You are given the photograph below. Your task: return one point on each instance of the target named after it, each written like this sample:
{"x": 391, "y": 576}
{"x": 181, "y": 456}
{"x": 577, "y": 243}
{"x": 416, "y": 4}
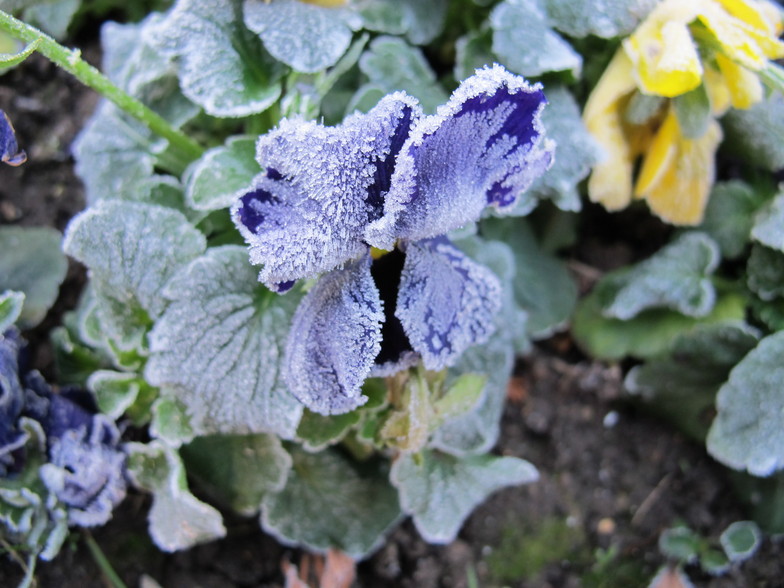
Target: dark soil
{"x": 612, "y": 478}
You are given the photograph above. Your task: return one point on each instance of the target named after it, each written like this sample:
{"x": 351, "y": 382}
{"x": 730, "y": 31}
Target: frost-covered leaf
{"x": 420, "y": 21}
{"x": 214, "y": 180}
{"x": 305, "y": 36}
{"x": 52, "y": 16}
{"x": 576, "y": 153}
{"x": 741, "y": 540}
{"x": 729, "y": 216}
{"x": 473, "y": 51}
{"x": 391, "y": 64}
{"x": 119, "y": 393}
{"x": 766, "y": 272}
{"x": 542, "y": 283}
{"x": 10, "y": 308}
{"x": 317, "y": 431}
{"x": 693, "y": 111}
{"x": 755, "y": 134}
{"x": 603, "y": 18}
{"x": 748, "y": 432}
{"x": 131, "y": 251}
{"x": 238, "y": 469}
{"x": 648, "y": 334}
{"x": 439, "y": 491}
{"x": 170, "y": 421}
{"x": 331, "y": 501}
{"x": 220, "y": 343}
{"x": 221, "y": 65}
{"x": 177, "y": 519}
{"x": 768, "y": 226}
{"x": 681, "y": 544}
{"x": 461, "y": 397}
{"x": 769, "y": 312}
{"x": 682, "y": 384}
{"x": 525, "y": 43}
{"x": 676, "y": 277}
{"x": 32, "y": 263}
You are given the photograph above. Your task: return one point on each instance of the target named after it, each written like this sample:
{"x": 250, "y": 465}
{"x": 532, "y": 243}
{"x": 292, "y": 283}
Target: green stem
{"x": 773, "y": 76}
{"x": 102, "y": 562}
{"x": 71, "y": 61}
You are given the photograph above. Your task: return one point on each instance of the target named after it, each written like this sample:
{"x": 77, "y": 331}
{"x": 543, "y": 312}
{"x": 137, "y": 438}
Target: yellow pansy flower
{"x": 712, "y": 47}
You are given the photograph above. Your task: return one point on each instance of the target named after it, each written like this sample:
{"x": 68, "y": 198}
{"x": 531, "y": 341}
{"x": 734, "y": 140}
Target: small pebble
{"x": 606, "y": 526}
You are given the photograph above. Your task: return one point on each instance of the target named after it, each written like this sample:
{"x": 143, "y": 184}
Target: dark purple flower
{"x": 9, "y": 150}
{"x": 397, "y": 181}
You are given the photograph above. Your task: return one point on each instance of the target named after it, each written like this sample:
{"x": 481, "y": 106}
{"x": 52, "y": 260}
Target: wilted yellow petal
{"x": 741, "y": 42}
{"x": 666, "y": 59}
{"x": 752, "y": 13}
{"x": 681, "y": 192}
{"x": 660, "y": 154}
{"x": 744, "y": 85}
{"x": 718, "y": 91}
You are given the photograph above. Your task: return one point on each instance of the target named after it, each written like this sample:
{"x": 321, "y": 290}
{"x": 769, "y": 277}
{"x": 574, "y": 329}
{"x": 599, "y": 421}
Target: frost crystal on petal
{"x": 307, "y": 213}
{"x": 483, "y": 147}
{"x": 334, "y": 339}
{"x": 446, "y": 301}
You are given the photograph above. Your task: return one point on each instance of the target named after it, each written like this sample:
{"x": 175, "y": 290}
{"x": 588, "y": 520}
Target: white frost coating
{"x": 177, "y": 519}
{"x": 204, "y": 35}
{"x": 132, "y": 249}
{"x": 307, "y": 37}
{"x": 221, "y": 348}
{"x": 440, "y": 491}
{"x": 330, "y": 503}
{"x": 446, "y": 302}
{"x": 524, "y": 40}
{"x": 768, "y": 226}
{"x": 215, "y": 180}
{"x": 748, "y": 432}
{"x": 316, "y": 213}
{"x": 334, "y": 339}
{"x": 603, "y": 18}
{"x": 453, "y": 159}
{"x": 676, "y": 277}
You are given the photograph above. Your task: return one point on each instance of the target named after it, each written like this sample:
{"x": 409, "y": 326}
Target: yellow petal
{"x": 616, "y": 82}
{"x": 328, "y": 3}
{"x": 660, "y": 154}
{"x": 681, "y": 192}
{"x": 665, "y": 58}
{"x": 718, "y": 91}
{"x": 752, "y": 13}
{"x": 744, "y": 86}
{"x": 741, "y": 42}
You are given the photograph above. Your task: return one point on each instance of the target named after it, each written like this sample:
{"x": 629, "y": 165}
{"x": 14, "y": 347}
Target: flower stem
{"x": 773, "y": 76}
{"x": 71, "y": 61}
{"x": 102, "y": 562}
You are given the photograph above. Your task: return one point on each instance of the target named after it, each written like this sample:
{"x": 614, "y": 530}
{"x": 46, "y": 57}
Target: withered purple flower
{"x": 396, "y": 181}
{"x": 9, "y": 150}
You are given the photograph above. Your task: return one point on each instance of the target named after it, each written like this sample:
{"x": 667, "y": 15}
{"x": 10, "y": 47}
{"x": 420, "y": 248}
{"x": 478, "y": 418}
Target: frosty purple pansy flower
{"x": 398, "y": 181}
{"x": 9, "y": 150}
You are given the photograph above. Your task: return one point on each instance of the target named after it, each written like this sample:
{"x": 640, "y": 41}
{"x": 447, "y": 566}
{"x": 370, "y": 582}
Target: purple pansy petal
{"x": 307, "y": 213}
{"x": 9, "y": 150}
{"x": 483, "y": 147}
{"x": 11, "y": 400}
{"x": 335, "y": 337}
{"x": 446, "y": 301}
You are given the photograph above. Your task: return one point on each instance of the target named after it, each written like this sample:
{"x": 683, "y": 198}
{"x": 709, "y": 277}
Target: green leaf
{"x": 461, "y": 397}
{"x": 682, "y": 384}
{"x": 741, "y": 540}
{"x": 543, "y": 285}
{"x": 693, "y": 111}
{"x": 10, "y": 308}
{"x": 13, "y": 59}
{"x": 170, "y": 421}
{"x": 131, "y": 251}
{"x": 524, "y": 41}
{"x": 577, "y": 153}
{"x": 729, "y": 216}
{"x": 440, "y": 491}
{"x": 306, "y": 37}
{"x": 214, "y": 180}
{"x": 221, "y": 65}
{"x": 420, "y": 21}
{"x": 473, "y": 51}
{"x": 642, "y": 108}
{"x": 765, "y": 270}
{"x": 177, "y": 519}
{"x": 648, "y": 334}
{"x": 768, "y": 226}
{"x": 391, "y": 65}
{"x": 118, "y": 393}
{"x": 714, "y": 562}
{"x": 681, "y": 544}
{"x": 238, "y": 470}
{"x": 32, "y": 263}
{"x": 220, "y": 343}
{"x": 755, "y": 134}
{"x": 769, "y": 312}
{"x": 748, "y": 432}
{"x": 52, "y": 16}
{"x": 676, "y": 277}
{"x": 332, "y": 502}
{"x": 318, "y": 431}
{"x": 606, "y": 19}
